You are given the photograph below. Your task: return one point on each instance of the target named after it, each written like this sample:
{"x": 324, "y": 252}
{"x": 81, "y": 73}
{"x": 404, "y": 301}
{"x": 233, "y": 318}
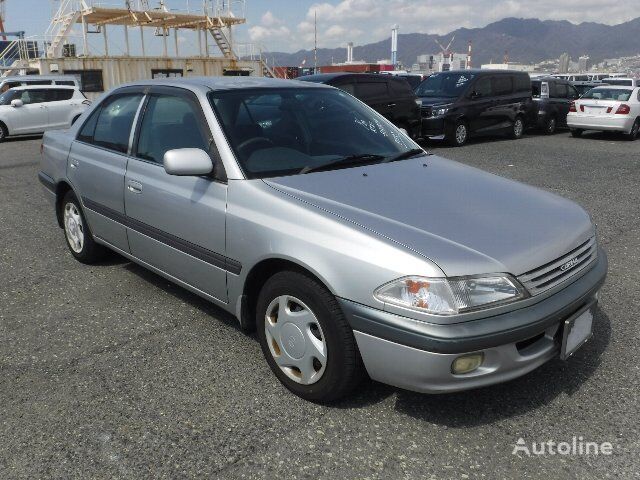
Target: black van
{"x": 460, "y": 103}
{"x": 389, "y": 95}
{"x": 552, "y": 98}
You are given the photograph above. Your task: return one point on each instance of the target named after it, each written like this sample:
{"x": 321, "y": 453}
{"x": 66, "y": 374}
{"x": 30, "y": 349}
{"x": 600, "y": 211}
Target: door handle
{"x": 134, "y": 187}
{"x": 391, "y": 104}
{"x": 74, "y": 163}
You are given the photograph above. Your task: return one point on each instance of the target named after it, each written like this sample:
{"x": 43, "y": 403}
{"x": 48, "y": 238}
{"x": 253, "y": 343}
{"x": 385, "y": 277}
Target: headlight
{"x": 442, "y": 296}
{"x": 439, "y": 111}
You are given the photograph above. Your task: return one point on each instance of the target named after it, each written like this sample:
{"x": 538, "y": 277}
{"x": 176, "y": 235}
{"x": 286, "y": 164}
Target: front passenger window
{"x": 170, "y": 122}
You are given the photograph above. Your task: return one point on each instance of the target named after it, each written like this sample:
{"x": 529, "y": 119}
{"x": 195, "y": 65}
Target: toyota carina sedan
{"x": 312, "y": 218}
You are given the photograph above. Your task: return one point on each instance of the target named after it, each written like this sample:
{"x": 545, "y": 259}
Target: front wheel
{"x": 633, "y": 134}
{"x": 576, "y": 132}
{"x": 3, "y": 132}
{"x": 76, "y": 232}
{"x": 517, "y": 129}
{"x": 459, "y": 135}
{"x": 305, "y": 338}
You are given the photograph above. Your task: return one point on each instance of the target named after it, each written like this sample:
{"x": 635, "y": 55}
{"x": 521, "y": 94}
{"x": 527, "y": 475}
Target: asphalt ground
{"x": 109, "y": 371}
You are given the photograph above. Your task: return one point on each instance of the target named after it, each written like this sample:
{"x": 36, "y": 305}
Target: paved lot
{"x": 111, "y": 371}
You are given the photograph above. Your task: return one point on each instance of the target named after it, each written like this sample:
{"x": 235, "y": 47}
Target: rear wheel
{"x": 305, "y": 338}
{"x": 576, "y": 132}
{"x": 76, "y": 232}
{"x": 459, "y": 135}
{"x": 517, "y": 129}
{"x": 634, "y": 130}
{"x": 550, "y": 126}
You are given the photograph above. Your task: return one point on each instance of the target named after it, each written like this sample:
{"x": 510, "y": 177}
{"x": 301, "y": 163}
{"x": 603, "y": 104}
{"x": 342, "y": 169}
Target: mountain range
{"x": 525, "y": 40}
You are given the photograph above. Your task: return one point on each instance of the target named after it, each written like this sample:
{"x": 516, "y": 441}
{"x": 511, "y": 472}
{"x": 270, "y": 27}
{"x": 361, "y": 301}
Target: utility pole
{"x": 315, "y": 41}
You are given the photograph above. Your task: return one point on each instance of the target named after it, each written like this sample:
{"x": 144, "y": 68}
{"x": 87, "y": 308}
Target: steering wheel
{"x": 255, "y": 142}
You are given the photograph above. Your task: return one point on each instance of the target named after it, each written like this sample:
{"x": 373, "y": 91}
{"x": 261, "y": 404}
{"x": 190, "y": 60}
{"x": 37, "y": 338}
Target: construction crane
{"x": 445, "y": 50}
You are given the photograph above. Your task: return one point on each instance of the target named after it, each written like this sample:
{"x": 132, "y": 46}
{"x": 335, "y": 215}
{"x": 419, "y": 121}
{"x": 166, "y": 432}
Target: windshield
{"x": 287, "y": 131}
{"x": 600, "y": 93}
{"x": 445, "y": 84}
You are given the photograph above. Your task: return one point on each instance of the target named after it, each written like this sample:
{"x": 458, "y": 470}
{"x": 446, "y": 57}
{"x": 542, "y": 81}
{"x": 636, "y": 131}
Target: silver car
{"x": 312, "y": 218}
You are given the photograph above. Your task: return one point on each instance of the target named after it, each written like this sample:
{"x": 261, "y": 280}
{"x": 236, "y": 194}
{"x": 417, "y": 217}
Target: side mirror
{"x": 187, "y": 162}
{"x": 17, "y": 103}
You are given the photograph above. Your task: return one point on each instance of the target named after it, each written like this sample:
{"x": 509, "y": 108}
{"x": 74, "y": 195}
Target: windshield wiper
{"x": 404, "y": 155}
{"x": 344, "y": 161}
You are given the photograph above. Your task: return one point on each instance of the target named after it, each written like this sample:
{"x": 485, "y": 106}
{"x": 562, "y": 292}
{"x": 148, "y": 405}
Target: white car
{"x": 30, "y": 110}
{"x": 606, "y": 108}
{"x": 623, "y": 82}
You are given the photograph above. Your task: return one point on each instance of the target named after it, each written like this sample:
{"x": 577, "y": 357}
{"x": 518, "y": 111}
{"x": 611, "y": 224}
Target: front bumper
{"x": 433, "y": 127}
{"x": 598, "y": 122}
{"x": 417, "y": 356}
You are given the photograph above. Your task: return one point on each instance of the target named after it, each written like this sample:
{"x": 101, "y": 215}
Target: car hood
{"x": 430, "y": 101}
{"x": 465, "y": 220}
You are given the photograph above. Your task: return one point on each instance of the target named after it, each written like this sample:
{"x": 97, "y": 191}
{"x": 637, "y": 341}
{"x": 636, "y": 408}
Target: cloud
{"x": 365, "y": 21}
{"x": 270, "y": 28}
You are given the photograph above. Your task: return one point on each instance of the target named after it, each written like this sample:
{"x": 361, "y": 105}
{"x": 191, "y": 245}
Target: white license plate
{"x": 594, "y": 110}
{"x": 577, "y": 330}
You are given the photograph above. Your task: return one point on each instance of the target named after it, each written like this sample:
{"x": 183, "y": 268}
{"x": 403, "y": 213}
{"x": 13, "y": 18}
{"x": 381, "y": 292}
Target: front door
{"x": 479, "y": 105}
{"x": 176, "y": 223}
{"x": 32, "y": 116}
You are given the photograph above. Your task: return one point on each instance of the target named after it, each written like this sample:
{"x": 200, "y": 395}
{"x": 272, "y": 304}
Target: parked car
{"x": 607, "y": 108}
{"x": 461, "y": 103}
{"x": 388, "y": 95}
{"x": 36, "y": 109}
{"x": 552, "y": 98}
{"x": 584, "y": 87}
{"x": 23, "y": 80}
{"x": 414, "y": 79}
{"x": 623, "y": 82}
{"x": 312, "y": 218}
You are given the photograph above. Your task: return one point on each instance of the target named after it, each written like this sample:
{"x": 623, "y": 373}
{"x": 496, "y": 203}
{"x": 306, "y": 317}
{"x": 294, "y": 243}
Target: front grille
{"x": 554, "y": 273}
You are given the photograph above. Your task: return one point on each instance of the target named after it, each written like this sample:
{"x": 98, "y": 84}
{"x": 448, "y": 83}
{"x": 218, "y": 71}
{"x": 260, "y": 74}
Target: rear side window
{"x": 368, "y": 90}
{"x": 522, "y": 83}
{"x": 63, "y": 94}
{"x": 400, "y": 87}
{"x": 39, "y": 82}
{"x": 69, "y": 83}
{"x": 483, "y": 87}
{"x": 503, "y": 85}
{"x": 110, "y": 125}
{"x": 170, "y": 122}
{"x": 350, "y": 88}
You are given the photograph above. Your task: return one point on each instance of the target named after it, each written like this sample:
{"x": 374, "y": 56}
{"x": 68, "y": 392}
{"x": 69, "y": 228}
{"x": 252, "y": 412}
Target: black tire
{"x": 550, "y": 125}
{"x": 517, "y": 128}
{"x": 343, "y": 369}
{"x": 576, "y": 132}
{"x": 88, "y": 251}
{"x": 458, "y": 135}
{"x": 4, "y": 133}
{"x": 634, "y": 131}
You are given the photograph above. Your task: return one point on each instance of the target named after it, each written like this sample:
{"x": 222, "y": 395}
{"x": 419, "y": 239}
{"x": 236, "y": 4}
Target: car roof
{"x": 616, "y": 87}
{"x": 327, "y": 77}
{"x": 223, "y": 83}
{"x": 35, "y": 78}
{"x": 37, "y": 87}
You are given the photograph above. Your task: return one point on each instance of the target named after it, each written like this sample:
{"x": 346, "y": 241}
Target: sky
{"x": 288, "y": 25}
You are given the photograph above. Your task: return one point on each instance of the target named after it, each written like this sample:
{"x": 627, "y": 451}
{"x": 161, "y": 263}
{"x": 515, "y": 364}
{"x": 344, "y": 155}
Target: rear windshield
{"x": 600, "y": 93}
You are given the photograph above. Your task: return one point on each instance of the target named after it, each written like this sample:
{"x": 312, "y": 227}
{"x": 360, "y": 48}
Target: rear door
{"x": 98, "y": 163}
{"x": 479, "y": 105}
{"x": 505, "y": 106}
{"x": 60, "y": 107}
{"x": 177, "y": 223}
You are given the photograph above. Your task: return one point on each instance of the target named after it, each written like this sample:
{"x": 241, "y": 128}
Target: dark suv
{"x": 461, "y": 103}
{"x": 552, "y": 98}
{"x": 389, "y": 95}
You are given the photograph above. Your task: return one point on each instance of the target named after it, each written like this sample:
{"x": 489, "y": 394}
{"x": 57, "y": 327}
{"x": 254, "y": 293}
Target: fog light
{"x": 467, "y": 363}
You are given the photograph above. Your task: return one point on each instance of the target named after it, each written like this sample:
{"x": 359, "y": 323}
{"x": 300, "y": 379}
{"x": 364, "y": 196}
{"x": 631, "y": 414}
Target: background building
{"x": 563, "y": 63}
{"x": 584, "y": 63}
